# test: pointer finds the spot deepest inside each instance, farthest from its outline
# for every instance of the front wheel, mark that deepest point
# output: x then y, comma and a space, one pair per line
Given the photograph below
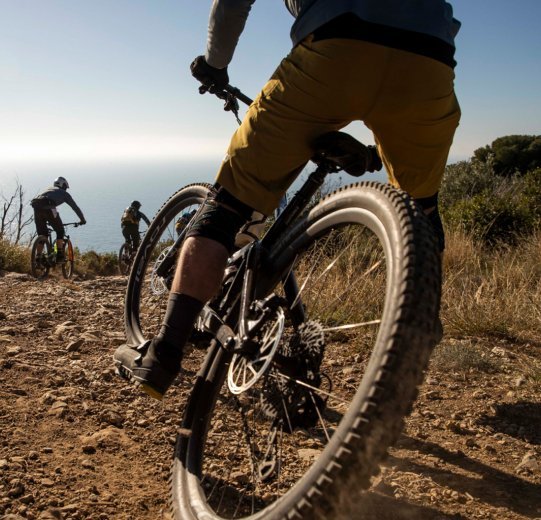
39, 257
148, 292
305, 439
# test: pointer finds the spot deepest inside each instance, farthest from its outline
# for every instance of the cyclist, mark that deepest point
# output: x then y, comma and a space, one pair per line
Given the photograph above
183, 220
130, 223
388, 63
45, 211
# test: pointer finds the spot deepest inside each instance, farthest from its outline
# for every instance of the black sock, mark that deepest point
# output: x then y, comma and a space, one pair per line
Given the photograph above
182, 311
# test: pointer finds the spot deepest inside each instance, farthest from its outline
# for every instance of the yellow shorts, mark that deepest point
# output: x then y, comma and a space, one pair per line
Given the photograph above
407, 100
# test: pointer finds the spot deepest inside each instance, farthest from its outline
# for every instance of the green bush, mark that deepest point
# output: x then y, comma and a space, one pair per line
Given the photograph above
491, 218
490, 207
14, 257
90, 262
512, 154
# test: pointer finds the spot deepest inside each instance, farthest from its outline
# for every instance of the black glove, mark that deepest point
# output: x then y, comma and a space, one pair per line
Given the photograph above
83, 222
207, 75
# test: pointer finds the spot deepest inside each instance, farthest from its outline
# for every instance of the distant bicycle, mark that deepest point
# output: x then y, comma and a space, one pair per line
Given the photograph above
126, 255
45, 252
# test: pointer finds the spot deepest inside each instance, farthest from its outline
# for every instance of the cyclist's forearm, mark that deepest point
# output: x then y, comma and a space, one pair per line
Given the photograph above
227, 20
78, 212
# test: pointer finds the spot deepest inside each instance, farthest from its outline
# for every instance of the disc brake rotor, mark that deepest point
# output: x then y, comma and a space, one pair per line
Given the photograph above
157, 283
246, 369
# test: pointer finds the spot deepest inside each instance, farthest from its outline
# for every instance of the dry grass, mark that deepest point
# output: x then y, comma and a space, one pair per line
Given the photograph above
14, 257
494, 292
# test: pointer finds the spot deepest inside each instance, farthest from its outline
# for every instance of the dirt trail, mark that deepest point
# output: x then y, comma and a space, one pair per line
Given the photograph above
77, 443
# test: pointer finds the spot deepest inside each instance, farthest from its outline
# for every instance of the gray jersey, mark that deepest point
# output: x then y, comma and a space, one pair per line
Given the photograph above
54, 196
430, 17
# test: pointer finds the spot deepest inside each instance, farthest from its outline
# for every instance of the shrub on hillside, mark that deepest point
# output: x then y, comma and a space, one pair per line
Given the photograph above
488, 206
90, 262
14, 257
512, 154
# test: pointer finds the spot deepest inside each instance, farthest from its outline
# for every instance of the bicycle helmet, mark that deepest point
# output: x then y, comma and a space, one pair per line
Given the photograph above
135, 204
61, 182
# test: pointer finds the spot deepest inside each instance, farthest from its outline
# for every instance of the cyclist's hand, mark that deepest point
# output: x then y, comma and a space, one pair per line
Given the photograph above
83, 222
373, 163
208, 75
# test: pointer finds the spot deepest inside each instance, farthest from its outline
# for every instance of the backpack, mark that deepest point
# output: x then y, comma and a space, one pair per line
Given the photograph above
129, 216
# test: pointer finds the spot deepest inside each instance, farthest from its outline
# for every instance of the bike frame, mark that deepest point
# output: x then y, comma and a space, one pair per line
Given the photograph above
246, 286
69, 245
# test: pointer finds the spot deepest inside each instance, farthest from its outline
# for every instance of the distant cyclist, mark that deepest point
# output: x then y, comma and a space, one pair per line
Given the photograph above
130, 223
183, 220
45, 212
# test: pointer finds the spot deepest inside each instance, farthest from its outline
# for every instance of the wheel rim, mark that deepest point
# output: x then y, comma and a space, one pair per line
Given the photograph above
271, 434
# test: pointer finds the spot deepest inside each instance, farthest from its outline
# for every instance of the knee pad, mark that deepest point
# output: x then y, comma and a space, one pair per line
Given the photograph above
220, 218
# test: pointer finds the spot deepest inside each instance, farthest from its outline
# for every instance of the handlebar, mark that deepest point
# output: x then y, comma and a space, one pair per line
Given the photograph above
234, 91
74, 224
230, 95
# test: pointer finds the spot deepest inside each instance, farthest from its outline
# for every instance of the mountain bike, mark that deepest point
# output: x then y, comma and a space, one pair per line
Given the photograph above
126, 255
44, 254
317, 342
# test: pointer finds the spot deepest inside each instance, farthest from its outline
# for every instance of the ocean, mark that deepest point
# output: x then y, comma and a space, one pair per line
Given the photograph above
104, 190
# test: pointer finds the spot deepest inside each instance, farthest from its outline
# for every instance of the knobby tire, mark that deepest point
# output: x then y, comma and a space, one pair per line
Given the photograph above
40, 271
392, 358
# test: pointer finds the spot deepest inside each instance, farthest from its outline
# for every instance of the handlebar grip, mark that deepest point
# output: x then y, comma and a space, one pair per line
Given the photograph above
238, 94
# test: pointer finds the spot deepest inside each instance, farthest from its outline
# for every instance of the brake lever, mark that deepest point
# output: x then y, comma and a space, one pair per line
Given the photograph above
231, 104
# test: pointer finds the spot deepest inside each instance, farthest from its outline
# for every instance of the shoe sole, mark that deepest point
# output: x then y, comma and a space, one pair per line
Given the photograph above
128, 375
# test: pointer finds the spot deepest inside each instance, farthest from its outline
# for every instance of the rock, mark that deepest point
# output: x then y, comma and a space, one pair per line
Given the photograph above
27, 499
433, 395
519, 381
65, 327
59, 408
109, 437
528, 464
74, 346
51, 514
16, 490
87, 464
112, 417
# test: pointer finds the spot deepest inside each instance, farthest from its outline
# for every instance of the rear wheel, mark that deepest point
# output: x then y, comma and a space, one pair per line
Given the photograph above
124, 259
304, 439
147, 293
39, 258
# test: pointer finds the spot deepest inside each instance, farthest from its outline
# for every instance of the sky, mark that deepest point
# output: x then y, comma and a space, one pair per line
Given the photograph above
94, 80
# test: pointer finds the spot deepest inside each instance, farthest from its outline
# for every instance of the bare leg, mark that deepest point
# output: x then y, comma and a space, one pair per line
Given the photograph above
200, 268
